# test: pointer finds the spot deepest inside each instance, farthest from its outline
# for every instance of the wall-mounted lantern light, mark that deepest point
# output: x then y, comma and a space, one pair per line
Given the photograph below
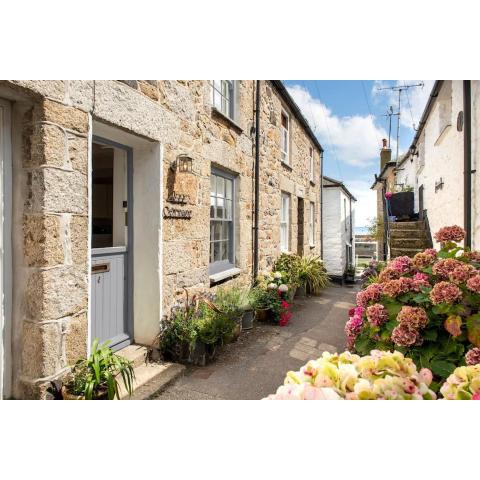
183, 163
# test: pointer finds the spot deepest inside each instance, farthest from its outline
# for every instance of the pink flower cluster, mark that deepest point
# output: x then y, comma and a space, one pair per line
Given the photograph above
387, 274
462, 273
445, 292
443, 268
354, 325
410, 321
371, 294
401, 264
450, 234
473, 256
423, 259
377, 314
473, 284
404, 336
420, 280
472, 357
412, 317
394, 288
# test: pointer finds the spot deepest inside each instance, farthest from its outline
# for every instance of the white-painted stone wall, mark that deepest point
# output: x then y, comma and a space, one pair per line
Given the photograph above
441, 158
475, 90
337, 230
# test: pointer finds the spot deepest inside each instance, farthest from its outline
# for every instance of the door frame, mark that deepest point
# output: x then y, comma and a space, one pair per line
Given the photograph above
6, 271
128, 292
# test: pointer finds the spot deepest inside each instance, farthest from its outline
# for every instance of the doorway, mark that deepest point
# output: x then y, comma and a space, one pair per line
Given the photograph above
300, 226
111, 243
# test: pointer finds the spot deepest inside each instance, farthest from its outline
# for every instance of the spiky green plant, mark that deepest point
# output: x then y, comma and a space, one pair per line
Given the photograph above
312, 274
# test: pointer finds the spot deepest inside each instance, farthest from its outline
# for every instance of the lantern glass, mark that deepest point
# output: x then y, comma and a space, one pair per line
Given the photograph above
185, 164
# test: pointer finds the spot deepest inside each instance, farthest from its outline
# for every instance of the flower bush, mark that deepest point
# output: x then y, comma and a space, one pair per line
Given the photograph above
427, 307
273, 297
463, 384
346, 376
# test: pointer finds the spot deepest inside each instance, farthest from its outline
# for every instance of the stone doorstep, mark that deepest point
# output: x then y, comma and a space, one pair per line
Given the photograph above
406, 226
149, 378
398, 252
408, 242
417, 233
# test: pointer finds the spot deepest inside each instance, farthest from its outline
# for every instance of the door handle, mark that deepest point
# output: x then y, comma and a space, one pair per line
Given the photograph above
100, 268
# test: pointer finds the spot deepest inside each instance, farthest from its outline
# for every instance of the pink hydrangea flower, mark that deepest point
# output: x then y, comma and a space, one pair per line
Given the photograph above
388, 274
476, 396
401, 264
473, 284
422, 260
371, 294
473, 256
443, 268
462, 273
430, 251
445, 292
377, 314
472, 357
412, 317
394, 288
403, 336
450, 234
420, 280
426, 376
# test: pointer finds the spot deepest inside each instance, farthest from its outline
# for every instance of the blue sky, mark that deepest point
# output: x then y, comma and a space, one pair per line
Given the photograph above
347, 116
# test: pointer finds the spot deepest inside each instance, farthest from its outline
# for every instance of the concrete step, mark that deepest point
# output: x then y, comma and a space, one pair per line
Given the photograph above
420, 243
134, 353
407, 226
396, 233
151, 378
400, 252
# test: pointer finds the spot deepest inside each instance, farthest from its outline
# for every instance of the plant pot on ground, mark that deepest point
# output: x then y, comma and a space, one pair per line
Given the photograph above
247, 320
311, 275
301, 291
96, 378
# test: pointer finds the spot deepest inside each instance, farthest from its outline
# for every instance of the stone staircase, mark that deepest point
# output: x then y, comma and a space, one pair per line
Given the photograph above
407, 238
149, 377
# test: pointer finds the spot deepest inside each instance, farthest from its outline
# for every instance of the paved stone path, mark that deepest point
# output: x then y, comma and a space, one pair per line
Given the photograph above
256, 364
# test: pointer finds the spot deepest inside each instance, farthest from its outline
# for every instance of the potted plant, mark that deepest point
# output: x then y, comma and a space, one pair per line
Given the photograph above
231, 302
249, 304
287, 264
312, 276
96, 378
350, 274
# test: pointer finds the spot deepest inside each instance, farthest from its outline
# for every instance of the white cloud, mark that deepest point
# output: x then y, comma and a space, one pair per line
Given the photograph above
413, 100
366, 206
355, 139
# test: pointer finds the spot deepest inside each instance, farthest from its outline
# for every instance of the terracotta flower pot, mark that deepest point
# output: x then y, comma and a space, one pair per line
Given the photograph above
100, 395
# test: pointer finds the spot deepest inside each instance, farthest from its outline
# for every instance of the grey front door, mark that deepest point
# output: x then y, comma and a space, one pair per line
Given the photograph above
111, 243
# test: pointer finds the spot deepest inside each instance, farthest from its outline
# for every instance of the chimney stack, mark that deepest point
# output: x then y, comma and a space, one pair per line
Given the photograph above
385, 154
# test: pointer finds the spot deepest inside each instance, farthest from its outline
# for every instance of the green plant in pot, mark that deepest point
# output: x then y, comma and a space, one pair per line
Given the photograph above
312, 275
287, 264
249, 304
96, 378
268, 305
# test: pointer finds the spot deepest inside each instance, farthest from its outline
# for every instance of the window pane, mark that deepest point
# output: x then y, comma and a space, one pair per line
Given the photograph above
213, 179
228, 210
212, 207
217, 234
220, 187
216, 251
224, 250
228, 189
211, 252
220, 208
225, 230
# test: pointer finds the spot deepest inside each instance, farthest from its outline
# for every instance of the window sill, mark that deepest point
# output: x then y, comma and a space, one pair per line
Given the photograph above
286, 165
232, 123
312, 183
220, 276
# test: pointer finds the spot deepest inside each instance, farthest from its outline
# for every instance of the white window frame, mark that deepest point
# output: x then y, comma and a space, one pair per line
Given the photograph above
312, 165
312, 224
285, 133
285, 222
216, 267
223, 95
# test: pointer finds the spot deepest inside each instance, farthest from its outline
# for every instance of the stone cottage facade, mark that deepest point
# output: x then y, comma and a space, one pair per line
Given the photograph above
117, 195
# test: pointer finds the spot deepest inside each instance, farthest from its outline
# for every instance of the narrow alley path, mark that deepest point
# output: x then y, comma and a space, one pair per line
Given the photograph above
256, 364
